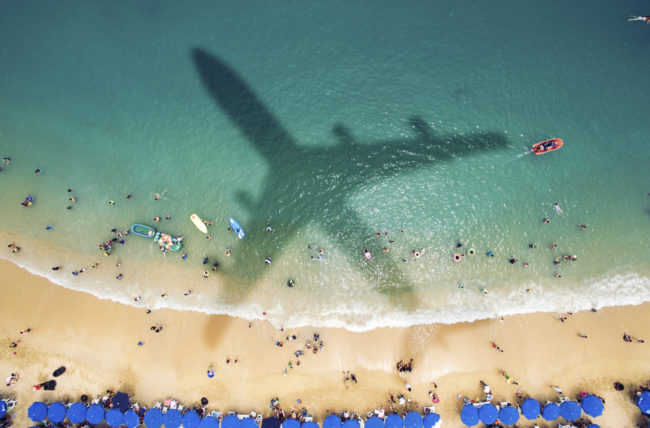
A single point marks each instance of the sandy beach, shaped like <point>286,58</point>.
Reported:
<point>97,341</point>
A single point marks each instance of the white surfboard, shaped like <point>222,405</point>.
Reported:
<point>199,223</point>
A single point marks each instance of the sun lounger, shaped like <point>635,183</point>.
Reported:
<point>309,419</point>
<point>157,405</point>
<point>241,416</point>
<point>505,403</point>
<point>380,413</point>
<point>231,413</point>
<point>563,399</point>
<point>259,418</point>
<point>427,410</point>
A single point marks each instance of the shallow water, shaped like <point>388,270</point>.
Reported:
<point>331,124</point>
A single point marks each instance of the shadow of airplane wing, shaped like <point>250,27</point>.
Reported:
<point>242,106</point>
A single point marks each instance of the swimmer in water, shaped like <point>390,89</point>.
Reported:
<point>645,19</point>
<point>582,226</point>
<point>557,208</point>
<point>268,228</point>
<point>367,254</point>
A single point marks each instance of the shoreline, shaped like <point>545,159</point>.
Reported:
<point>97,341</point>
<point>504,299</point>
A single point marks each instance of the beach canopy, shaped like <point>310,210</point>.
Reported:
<point>413,420</point>
<point>209,422</point>
<point>121,401</point>
<point>56,412</point>
<point>644,402</point>
<point>131,419</point>
<point>37,411</point>
<point>488,413</point>
<point>249,423</point>
<point>469,415</point>
<point>291,423</point>
<point>592,405</point>
<point>372,422</point>
<point>551,412</point>
<point>191,419</point>
<point>230,422</point>
<point>508,415</point>
<point>430,420</point>
<point>77,413</point>
<point>332,421</point>
<point>315,425</point>
<point>153,418</point>
<point>172,418</point>
<point>271,422</point>
<point>114,418</point>
<point>570,410</point>
<point>530,408</point>
<point>392,421</point>
<point>351,423</point>
<point>95,414</point>
<point>3,408</point>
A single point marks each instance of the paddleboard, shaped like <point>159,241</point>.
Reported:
<point>199,223</point>
<point>237,228</point>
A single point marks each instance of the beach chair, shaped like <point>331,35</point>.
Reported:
<point>180,408</point>
<point>380,413</point>
<point>346,415</point>
<point>95,401</point>
<point>562,399</point>
<point>241,416</point>
<point>174,404</point>
<point>309,418</point>
<point>259,418</point>
<point>231,413</point>
<point>429,409</point>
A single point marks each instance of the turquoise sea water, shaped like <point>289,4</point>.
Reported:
<point>331,123</point>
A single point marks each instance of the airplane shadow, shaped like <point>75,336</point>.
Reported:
<point>311,185</point>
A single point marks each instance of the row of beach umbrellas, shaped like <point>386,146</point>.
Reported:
<point>154,418</point>
<point>508,415</point>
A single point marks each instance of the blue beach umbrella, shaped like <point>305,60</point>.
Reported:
<point>230,422</point>
<point>131,419</point>
<point>570,410</point>
<point>121,401</point>
<point>290,423</point>
<point>530,408</point>
<point>392,421</point>
<point>431,420</point>
<point>332,421</point>
<point>592,405</point>
<point>37,411</point>
<point>413,420</point>
<point>373,422</point>
<point>644,402</point>
<point>172,418</point>
<point>252,423</point>
<point>153,418</point>
<point>56,412</point>
<point>95,414</point>
<point>315,425</point>
<point>469,415</point>
<point>3,408</point>
<point>488,413</point>
<point>191,419</point>
<point>351,423</point>
<point>551,412</point>
<point>508,415</point>
<point>593,426</point>
<point>77,413</point>
<point>114,418</point>
<point>209,422</point>
<point>273,423</point>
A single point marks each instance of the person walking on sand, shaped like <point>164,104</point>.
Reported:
<point>557,389</point>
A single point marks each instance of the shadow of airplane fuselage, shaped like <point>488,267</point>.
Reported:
<point>313,184</point>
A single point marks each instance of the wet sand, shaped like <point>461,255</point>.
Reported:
<point>97,342</point>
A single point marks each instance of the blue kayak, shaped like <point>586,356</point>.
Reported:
<point>237,228</point>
